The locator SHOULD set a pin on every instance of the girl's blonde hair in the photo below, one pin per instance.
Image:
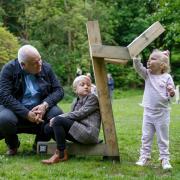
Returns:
(79, 79)
(164, 58)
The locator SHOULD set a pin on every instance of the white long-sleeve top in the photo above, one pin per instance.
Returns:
(155, 92)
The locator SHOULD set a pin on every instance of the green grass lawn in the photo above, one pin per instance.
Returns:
(128, 119)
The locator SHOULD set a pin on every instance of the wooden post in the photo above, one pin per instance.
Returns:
(103, 93)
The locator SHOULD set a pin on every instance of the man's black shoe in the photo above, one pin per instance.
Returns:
(13, 151)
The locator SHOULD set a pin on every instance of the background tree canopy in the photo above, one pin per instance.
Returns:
(58, 29)
(9, 46)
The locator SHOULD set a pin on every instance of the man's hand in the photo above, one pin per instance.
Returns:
(40, 109)
(34, 117)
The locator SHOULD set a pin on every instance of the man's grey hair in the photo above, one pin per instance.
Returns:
(79, 79)
(25, 51)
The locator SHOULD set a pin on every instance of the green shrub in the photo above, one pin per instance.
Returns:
(8, 46)
(69, 95)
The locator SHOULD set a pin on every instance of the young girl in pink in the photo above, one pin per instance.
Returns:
(159, 88)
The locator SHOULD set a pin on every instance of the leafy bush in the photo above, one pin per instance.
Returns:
(69, 95)
(125, 76)
(9, 46)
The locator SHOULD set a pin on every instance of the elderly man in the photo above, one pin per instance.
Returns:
(29, 93)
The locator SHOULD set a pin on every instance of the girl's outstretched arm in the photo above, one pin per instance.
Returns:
(140, 69)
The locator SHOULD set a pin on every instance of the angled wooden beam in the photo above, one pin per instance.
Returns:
(114, 52)
(115, 61)
(145, 39)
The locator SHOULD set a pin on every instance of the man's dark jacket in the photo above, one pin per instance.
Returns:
(11, 87)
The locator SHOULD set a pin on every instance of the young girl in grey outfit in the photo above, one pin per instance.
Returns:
(159, 88)
(81, 125)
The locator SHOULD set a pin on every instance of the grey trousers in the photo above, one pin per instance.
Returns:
(11, 125)
(155, 121)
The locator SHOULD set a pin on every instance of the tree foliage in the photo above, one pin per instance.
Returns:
(58, 29)
(9, 46)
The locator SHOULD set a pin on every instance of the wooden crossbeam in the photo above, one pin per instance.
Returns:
(145, 39)
(115, 61)
(113, 52)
